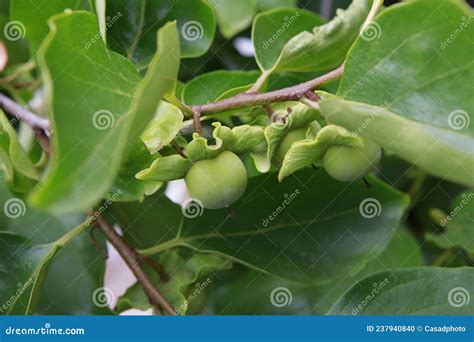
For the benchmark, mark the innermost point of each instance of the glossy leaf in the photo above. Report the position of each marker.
(250, 293)
(317, 241)
(405, 73)
(133, 33)
(110, 104)
(273, 29)
(458, 230)
(34, 14)
(292, 44)
(418, 291)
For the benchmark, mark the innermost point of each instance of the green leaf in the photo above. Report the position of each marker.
(18, 169)
(164, 169)
(418, 291)
(163, 128)
(405, 72)
(310, 151)
(264, 5)
(458, 228)
(287, 40)
(179, 289)
(133, 33)
(442, 152)
(234, 16)
(211, 86)
(273, 29)
(288, 229)
(33, 16)
(24, 267)
(232, 295)
(103, 92)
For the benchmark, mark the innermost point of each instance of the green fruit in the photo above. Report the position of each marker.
(217, 182)
(348, 164)
(288, 140)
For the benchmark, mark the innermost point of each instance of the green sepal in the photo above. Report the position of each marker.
(165, 169)
(301, 115)
(306, 152)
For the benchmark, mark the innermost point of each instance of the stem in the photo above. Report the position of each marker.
(260, 82)
(62, 241)
(294, 93)
(132, 259)
(373, 12)
(22, 113)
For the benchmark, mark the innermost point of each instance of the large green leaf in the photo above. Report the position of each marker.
(14, 162)
(458, 225)
(251, 293)
(294, 40)
(133, 33)
(178, 289)
(417, 291)
(289, 230)
(103, 93)
(23, 269)
(33, 16)
(79, 282)
(406, 72)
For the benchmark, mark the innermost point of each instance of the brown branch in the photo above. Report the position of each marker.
(132, 259)
(20, 112)
(294, 93)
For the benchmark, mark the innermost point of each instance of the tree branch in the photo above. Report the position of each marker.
(294, 93)
(132, 259)
(20, 112)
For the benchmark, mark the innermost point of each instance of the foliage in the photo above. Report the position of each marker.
(293, 211)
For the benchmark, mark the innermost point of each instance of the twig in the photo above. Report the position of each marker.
(132, 259)
(43, 140)
(294, 93)
(22, 113)
(197, 120)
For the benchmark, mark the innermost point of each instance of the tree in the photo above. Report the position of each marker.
(335, 179)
